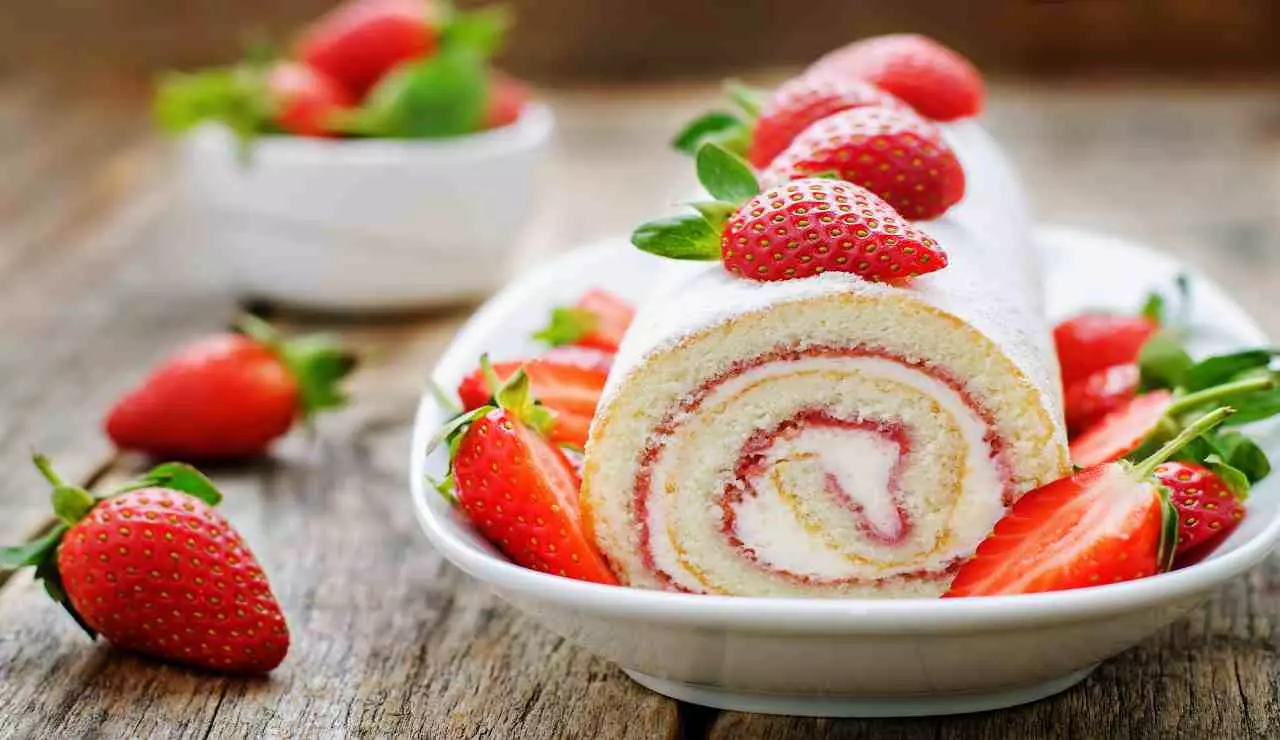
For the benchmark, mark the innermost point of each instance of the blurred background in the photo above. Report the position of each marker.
(1158, 120)
(565, 41)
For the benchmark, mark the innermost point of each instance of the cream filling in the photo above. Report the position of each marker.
(793, 523)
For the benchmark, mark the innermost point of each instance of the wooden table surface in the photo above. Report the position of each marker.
(389, 640)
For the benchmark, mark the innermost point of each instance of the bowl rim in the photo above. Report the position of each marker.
(798, 614)
(532, 128)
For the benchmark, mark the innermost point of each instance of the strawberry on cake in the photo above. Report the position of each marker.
(848, 403)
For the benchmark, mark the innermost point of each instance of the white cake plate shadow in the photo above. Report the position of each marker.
(854, 706)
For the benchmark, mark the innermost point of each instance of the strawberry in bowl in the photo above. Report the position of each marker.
(382, 163)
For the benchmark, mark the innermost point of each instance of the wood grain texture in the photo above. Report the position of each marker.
(391, 641)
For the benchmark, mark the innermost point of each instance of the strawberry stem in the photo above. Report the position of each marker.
(1218, 392)
(45, 466)
(1170, 448)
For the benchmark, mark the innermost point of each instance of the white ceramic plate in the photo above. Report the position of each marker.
(853, 657)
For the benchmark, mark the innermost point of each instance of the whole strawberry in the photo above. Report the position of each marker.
(799, 229)
(1208, 510)
(802, 101)
(305, 100)
(361, 40)
(894, 153)
(938, 82)
(156, 570)
(229, 395)
(598, 320)
(518, 488)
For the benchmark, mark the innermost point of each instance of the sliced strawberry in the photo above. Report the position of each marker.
(567, 380)
(1090, 399)
(1208, 511)
(599, 319)
(938, 82)
(360, 40)
(1122, 431)
(1092, 342)
(519, 489)
(892, 152)
(1105, 524)
(802, 101)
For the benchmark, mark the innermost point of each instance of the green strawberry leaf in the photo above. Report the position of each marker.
(483, 30)
(71, 503)
(1240, 452)
(713, 126)
(444, 398)
(1235, 481)
(441, 96)
(1153, 308)
(1162, 363)
(446, 487)
(182, 477)
(33, 552)
(725, 175)
(1220, 369)
(715, 212)
(454, 427)
(687, 237)
(568, 325)
(1256, 406)
(237, 97)
(749, 99)
(318, 364)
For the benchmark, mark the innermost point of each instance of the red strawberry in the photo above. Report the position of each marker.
(567, 380)
(229, 395)
(305, 99)
(892, 152)
(1105, 524)
(1208, 511)
(807, 227)
(805, 100)
(1092, 342)
(519, 489)
(507, 99)
(357, 42)
(799, 229)
(936, 81)
(599, 319)
(155, 569)
(1091, 398)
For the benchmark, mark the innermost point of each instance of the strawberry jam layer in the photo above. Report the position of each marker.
(828, 492)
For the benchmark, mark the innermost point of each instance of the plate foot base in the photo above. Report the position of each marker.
(852, 706)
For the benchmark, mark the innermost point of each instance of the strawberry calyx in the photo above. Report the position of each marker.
(730, 181)
(568, 325)
(1144, 470)
(317, 363)
(73, 503)
(515, 397)
(730, 130)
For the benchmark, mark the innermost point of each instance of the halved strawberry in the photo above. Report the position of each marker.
(892, 152)
(1149, 416)
(1088, 400)
(518, 488)
(1092, 342)
(1105, 524)
(1208, 510)
(599, 319)
(936, 81)
(567, 380)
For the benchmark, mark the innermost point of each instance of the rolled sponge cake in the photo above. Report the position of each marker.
(831, 436)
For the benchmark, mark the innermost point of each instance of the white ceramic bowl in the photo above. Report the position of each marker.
(848, 657)
(364, 225)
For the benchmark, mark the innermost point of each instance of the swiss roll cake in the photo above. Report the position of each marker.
(831, 436)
